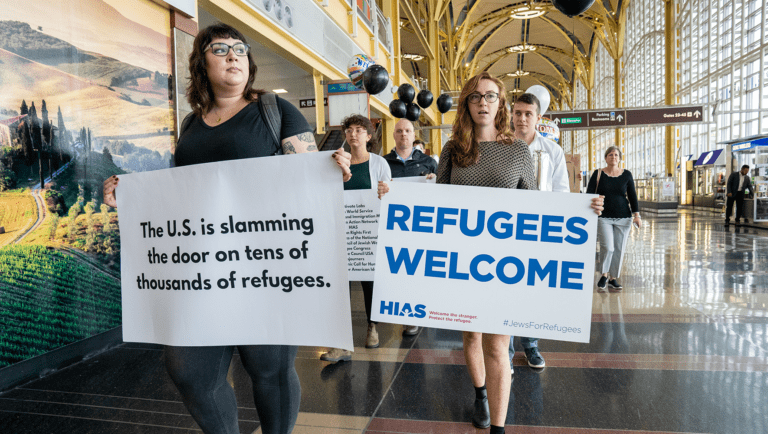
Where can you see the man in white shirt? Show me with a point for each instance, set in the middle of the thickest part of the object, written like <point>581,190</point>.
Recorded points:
<point>551,175</point>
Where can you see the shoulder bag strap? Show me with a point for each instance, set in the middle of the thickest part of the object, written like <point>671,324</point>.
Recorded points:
<point>599,171</point>
<point>185,125</point>
<point>272,117</point>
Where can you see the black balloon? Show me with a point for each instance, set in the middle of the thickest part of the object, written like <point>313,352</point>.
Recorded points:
<point>397,108</point>
<point>444,103</point>
<point>572,7</point>
<point>424,98</point>
<point>375,79</point>
<point>406,93</point>
<point>412,112</point>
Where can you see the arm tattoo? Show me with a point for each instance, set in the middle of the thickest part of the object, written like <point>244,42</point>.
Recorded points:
<point>288,147</point>
<point>308,138</point>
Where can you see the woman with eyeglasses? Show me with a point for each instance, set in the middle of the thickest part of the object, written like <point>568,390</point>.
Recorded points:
<point>367,171</point>
<point>227,124</point>
<point>484,152</point>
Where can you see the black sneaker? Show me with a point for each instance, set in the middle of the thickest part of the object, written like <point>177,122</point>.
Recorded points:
<point>727,223</point>
<point>615,284</point>
<point>746,221</point>
<point>601,282</point>
<point>534,357</point>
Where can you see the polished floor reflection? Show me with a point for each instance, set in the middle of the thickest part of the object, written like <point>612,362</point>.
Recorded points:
<point>683,348</point>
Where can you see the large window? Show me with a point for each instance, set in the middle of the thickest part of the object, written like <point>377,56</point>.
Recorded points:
<point>722,62</point>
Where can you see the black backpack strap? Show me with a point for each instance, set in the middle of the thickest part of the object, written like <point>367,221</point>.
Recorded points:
<point>272,117</point>
<point>185,125</point>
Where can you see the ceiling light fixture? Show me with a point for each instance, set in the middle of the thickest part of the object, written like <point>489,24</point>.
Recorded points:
<point>527,12</point>
<point>518,74</point>
<point>522,48</point>
<point>279,91</point>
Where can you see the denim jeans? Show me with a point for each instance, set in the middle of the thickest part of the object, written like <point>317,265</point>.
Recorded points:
<point>200,375</point>
<point>526,342</point>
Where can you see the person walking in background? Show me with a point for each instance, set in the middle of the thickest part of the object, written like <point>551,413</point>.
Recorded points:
<point>737,183</point>
<point>367,170</point>
<point>621,210</point>
<point>228,124</point>
<point>419,144</point>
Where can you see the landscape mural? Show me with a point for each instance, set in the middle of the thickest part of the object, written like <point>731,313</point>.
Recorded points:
<point>85,93</point>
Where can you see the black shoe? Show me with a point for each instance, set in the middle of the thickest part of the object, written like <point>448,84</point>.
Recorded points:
<point>615,284</point>
<point>601,282</point>
<point>481,418</point>
<point>727,223</point>
<point>534,357</point>
<point>738,221</point>
<point>746,221</point>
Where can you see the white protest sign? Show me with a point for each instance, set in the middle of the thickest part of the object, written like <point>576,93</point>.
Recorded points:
<point>491,260</point>
<point>236,253</point>
<point>432,180</point>
<point>361,213</point>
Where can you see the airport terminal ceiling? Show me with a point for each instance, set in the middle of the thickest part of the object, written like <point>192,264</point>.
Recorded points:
<point>522,42</point>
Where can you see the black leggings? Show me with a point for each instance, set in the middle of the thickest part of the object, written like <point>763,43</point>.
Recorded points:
<point>368,297</point>
<point>200,375</point>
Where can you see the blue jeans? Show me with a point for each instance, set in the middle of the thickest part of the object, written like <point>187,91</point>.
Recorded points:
<point>200,375</point>
<point>526,342</point>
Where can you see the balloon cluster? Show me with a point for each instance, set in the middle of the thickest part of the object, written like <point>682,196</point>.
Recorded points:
<point>404,107</point>
<point>366,75</point>
<point>572,7</point>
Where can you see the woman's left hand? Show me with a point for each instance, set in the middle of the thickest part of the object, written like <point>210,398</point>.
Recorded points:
<point>382,189</point>
<point>342,160</point>
<point>637,221</point>
<point>597,204</point>
<point>431,175</point>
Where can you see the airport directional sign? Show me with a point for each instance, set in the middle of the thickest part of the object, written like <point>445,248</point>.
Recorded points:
<point>627,117</point>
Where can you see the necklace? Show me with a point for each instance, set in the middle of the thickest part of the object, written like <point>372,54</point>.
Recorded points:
<point>218,114</point>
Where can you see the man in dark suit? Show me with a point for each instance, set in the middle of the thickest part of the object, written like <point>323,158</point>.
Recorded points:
<point>737,183</point>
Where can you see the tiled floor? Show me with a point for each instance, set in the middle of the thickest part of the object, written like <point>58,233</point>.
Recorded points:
<point>682,349</point>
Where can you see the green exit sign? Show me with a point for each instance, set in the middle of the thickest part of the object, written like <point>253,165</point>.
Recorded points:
<point>570,120</point>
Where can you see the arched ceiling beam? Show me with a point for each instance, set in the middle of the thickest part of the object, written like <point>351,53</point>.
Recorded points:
<point>499,55</point>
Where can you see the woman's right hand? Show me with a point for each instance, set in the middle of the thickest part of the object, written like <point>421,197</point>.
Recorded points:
<point>109,191</point>
<point>382,189</point>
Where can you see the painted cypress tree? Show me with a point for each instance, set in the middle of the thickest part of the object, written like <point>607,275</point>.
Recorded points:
<point>24,110</point>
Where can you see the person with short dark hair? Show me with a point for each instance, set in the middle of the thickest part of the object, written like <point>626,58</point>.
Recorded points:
<point>737,183</point>
<point>227,124</point>
<point>419,145</point>
<point>367,170</point>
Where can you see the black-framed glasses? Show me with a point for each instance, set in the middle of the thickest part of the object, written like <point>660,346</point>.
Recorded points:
<point>474,98</point>
<point>222,49</point>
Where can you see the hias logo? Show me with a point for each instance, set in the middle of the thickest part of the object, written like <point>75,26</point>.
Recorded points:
<point>394,308</point>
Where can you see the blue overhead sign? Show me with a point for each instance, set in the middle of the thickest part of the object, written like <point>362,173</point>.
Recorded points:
<point>749,145</point>
<point>709,157</point>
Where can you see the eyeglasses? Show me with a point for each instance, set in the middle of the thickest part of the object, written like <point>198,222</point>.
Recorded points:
<point>474,98</point>
<point>356,131</point>
<point>222,49</point>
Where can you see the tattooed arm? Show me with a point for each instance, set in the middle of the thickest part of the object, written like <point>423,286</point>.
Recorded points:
<point>300,143</point>
<point>305,142</point>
